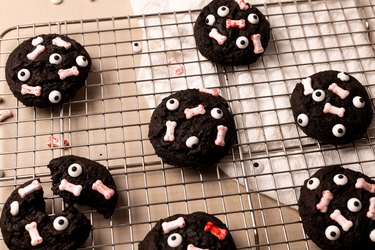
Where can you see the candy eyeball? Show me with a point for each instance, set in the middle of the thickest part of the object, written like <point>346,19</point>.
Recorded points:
<point>217,113</point>
<point>343,76</point>
<point>340,179</point>
<point>192,142</point>
<point>82,61</point>
<point>55,59</point>
<point>358,102</point>
<point>253,18</point>
<point>174,240</point>
<point>318,95</point>
<point>223,11</point>
<point>54,96</point>
<point>303,120</point>
<point>23,75</point>
<point>60,223</point>
<point>210,20</point>
<point>172,104</point>
<point>313,183</point>
<point>137,47</point>
<point>339,130</point>
<point>354,205</point>
<point>332,233</point>
<point>242,42</point>
<point>75,170</point>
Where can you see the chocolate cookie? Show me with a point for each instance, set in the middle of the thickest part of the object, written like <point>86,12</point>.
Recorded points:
<point>83,181</point>
<point>47,70</point>
<point>337,207</point>
<point>193,231</point>
<point>26,225</point>
<point>332,107</point>
<point>192,128</point>
<point>230,32</point>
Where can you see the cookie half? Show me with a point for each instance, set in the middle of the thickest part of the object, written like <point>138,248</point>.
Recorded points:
<point>47,70</point>
<point>337,208</point>
<point>192,128</point>
<point>332,107</point>
<point>230,32</point>
<point>192,231</point>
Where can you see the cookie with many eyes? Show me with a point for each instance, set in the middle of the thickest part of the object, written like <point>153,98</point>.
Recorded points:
<point>26,225</point>
<point>337,208</point>
<point>47,70</point>
<point>231,32</point>
<point>332,107</point>
<point>192,128</point>
<point>194,231</point>
<point>83,181</point>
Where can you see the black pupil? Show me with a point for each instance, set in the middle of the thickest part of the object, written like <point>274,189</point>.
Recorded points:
<point>61,222</point>
<point>340,130</point>
<point>356,204</point>
<point>74,168</point>
<point>194,145</point>
<point>223,8</point>
<point>171,101</point>
<point>341,176</point>
<point>333,234</point>
<point>218,111</point>
<point>318,94</point>
<point>22,73</point>
<point>242,42</point>
<point>57,98</point>
<point>256,164</point>
<point>57,57</point>
<point>173,237</point>
<point>361,100</point>
<point>300,121</point>
<point>207,20</point>
<point>311,182</point>
<point>136,44</point>
<point>84,58</point>
<point>255,16</point>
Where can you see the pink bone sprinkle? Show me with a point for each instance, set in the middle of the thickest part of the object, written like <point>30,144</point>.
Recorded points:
<point>36,239</point>
<point>36,52</point>
<point>192,247</point>
<point>4,114</point>
<point>169,135</point>
<point>32,187</point>
<point>342,93</point>
<point>220,138</point>
<point>243,5</point>
<point>69,187</point>
<point>100,187</point>
<point>61,43</point>
<point>33,90</point>
<point>362,184</point>
<point>328,108</point>
<point>258,49</point>
<point>54,142</point>
<point>214,92</point>
<point>214,33</point>
<point>172,225</point>
<point>199,110</point>
<point>64,73</point>
<point>339,218</point>
<point>178,69</point>
<point>322,206</point>
<point>308,90</point>
<point>371,210</point>
<point>215,230</point>
<point>235,23</point>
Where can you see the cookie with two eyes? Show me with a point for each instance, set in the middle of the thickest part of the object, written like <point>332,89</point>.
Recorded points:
<point>26,225</point>
<point>47,70</point>
<point>83,181</point>
<point>192,128</point>
<point>231,32</point>
<point>337,208</point>
<point>332,107</point>
<point>194,231</point>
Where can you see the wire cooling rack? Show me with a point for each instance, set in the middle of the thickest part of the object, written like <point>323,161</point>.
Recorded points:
<point>254,190</point>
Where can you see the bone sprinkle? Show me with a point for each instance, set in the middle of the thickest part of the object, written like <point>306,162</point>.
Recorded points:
<point>214,33</point>
<point>32,56</point>
<point>192,247</point>
<point>34,234</point>
<point>214,92</point>
<point>215,230</point>
<point>61,43</point>
<point>172,225</point>
<point>308,90</point>
<point>371,210</point>
<point>199,110</point>
<point>177,69</point>
<point>103,189</point>
<point>339,218</point>
<point>258,49</point>
<point>4,114</point>
<point>328,108</point>
<point>32,187</point>
<point>243,5</point>
<point>230,24</point>
<point>220,138</point>
<point>169,135</point>
<point>342,93</point>
<point>362,184</point>
<point>64,73</point>
<point>71,188</point>
<point>32,90</point>
<point>322,206</point>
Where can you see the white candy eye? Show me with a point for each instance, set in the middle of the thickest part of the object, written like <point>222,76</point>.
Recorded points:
<point>253,18</point>
<point>332,233</point>
<point>242,42</point>
<point>223,11</point>
<point>137,47</point>
<point>338,130</point>
<point>217,113</point>
<point>372,235</point>
<point>358,102</point>
<point>354,205</point>
<point>23,75</point>
<point>55,59</point>
<point>343,76</point>
<point>313,183</point>
<point>303,120</point>
<point>174,240</point>
<point>75,170</point>
<point>60,223</point>
<point>192,142</point>
<point>318,95</point>
<point>172,104</point>
<point>210,20</point>
<point>340,179</point>
<point>54,96</point>
<point>82,61</point>
<point>14,208</point>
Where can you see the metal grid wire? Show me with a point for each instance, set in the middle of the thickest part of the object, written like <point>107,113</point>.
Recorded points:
<point>108,120</point>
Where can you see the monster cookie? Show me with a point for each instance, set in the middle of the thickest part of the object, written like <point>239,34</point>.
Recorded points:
<point>332,107</point>
<point>337,207</point>
<point>195,231</point>
<point>83,181</point>
<point>231,32</point>
<point>192,128</point>
<point>26,225</point>
<point>47,70</point>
